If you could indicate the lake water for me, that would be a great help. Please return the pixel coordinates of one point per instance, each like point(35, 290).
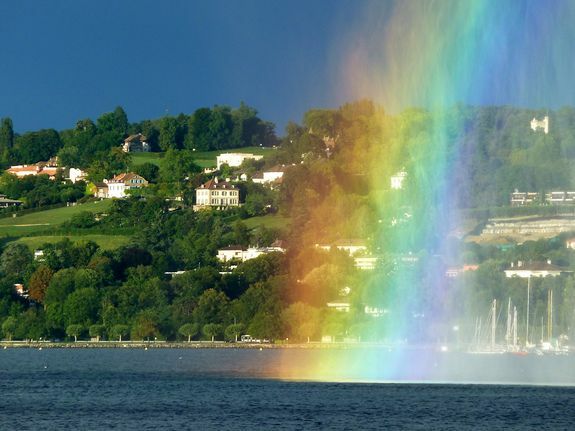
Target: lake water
point(131, 389)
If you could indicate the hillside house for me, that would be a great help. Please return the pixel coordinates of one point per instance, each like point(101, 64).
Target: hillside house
point(215, 194)
point(534, 269)
point(560, 198)
point(136, 144)
point(271, 175)
point(6, 203)
point(350, 246)
point(235, 159)
point(119, 185)
point(523, 198)
point(239, 253)
point(75, 174)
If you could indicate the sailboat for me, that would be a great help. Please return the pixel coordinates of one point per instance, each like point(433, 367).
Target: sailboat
point(489, 346)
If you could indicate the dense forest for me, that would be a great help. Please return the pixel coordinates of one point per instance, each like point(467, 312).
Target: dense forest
point(337, 187)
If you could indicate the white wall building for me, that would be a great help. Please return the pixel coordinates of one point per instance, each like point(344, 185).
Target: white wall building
point(217, 194)
point(235, 159)
point(540, 124)
point(271, 175)
point(76, 174)
point(397, 180)
point(239, 253)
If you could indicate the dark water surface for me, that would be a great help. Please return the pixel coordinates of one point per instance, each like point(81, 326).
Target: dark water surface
point(97, 389)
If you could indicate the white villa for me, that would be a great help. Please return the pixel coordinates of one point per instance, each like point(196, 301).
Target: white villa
point(235, 159)
point(76, 174)
point(217, 194)
point(117, 186)
point(136, 144)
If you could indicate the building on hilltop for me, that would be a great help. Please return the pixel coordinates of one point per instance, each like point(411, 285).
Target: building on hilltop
point(136, 144)
point(215, 194)
point(540, 124)
point(235, 159)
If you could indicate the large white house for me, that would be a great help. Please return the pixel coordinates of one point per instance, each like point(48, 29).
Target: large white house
point(235, 159)
point(119, 185)
point(217, 195)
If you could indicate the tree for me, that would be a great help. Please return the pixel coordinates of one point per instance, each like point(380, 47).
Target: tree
point(302, 320)
point(211, 330)
point(145, 325)
point(74, 330)
point(233, 331)
point(15, 259)
point(6, 138)
point(212, 307)
point(189, 330)
point(39, 282)
point(96, 331)
point(148, 170)
point(82, 305)
point(33, 147)
point(9, 327)
point(119, 331)
point(168, 132)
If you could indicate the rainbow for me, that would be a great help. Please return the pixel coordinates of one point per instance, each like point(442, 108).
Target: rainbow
point(435, 56)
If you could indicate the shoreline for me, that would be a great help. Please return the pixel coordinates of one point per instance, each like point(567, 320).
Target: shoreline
point(193, 345)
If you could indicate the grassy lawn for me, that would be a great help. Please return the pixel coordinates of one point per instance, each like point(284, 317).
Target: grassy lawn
point(106, 242)
point(41, 220)
point(205, 159)
point(271, 221)
point(141, 158)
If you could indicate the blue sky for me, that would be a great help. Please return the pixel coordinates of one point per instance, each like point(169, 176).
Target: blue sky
point(64, 60)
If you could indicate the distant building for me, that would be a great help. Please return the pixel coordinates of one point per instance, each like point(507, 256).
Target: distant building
point(339, 306)
point(49, 168)
point(366, 262)
point(534, 269)
point(271, 175)
point(560, 198)
point(119, 185)
point(570, 243)
point(543, 124)
point(5, 202)
point(241, 254)
point(235, 159)
point(76, 174)
point(136, 144)
point(217, 195)
point(398, 179)
point(523, 198)
point(350, 246)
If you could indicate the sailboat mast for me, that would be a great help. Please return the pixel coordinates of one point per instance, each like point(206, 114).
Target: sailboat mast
point(514, 326)
point(549, 315)
point(527, 322)
point(493, 323)
point(508, 329)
